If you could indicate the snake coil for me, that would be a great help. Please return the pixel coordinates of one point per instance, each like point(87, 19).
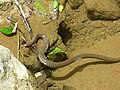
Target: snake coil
point(53, 64)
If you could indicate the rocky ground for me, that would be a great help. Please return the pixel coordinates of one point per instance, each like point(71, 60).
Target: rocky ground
point(83, 26)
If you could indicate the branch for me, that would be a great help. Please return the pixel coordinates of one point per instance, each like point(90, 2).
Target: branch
point(24, 18)
point(26, 24)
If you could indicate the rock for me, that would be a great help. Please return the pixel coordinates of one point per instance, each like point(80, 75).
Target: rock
point(6, 6)
point(118, 3)
point(61, 86)
point(67, 87)
point(74, 4)
point(13, 75)
point(102, 9)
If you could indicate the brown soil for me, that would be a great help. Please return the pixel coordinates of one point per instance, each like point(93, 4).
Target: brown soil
point(87, 74)
point(92, 74)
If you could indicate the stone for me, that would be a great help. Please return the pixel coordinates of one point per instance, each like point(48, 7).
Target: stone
point(74, 4)
point(14, 75)
point(6, 7)
point(118, 3)
point(102, 9)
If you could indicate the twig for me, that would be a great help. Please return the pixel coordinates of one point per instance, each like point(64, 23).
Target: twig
point(24, 18)
point(15, 27)
point(26, 23)
point(18, 45)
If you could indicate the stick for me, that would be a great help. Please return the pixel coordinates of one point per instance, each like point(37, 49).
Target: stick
point(24, 18)
point(18, 45)
point(26, 23)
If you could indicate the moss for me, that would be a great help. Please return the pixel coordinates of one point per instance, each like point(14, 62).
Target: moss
point(39, 6)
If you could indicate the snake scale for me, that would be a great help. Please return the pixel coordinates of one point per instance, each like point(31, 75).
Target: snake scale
point(52, 64)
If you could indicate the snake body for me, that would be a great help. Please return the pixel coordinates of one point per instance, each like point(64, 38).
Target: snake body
point(53, 64)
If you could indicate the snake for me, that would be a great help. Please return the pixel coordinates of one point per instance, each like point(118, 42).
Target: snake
point(52, 64)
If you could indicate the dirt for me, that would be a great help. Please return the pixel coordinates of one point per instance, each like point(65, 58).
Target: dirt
point(93, 74)
point(80, 35)
point(100, 37)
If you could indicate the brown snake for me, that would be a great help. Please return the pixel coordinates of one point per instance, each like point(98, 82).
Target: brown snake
point(53, 64)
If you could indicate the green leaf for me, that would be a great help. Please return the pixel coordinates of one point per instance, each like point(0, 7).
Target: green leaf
point(55, 3)
point(60, 8)
point(7, 30)
point(39, 6)
point(54, 52)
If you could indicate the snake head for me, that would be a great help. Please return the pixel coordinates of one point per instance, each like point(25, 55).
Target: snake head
point(24, 42)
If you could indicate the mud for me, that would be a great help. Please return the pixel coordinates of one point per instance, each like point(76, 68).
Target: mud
point(75, 33)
